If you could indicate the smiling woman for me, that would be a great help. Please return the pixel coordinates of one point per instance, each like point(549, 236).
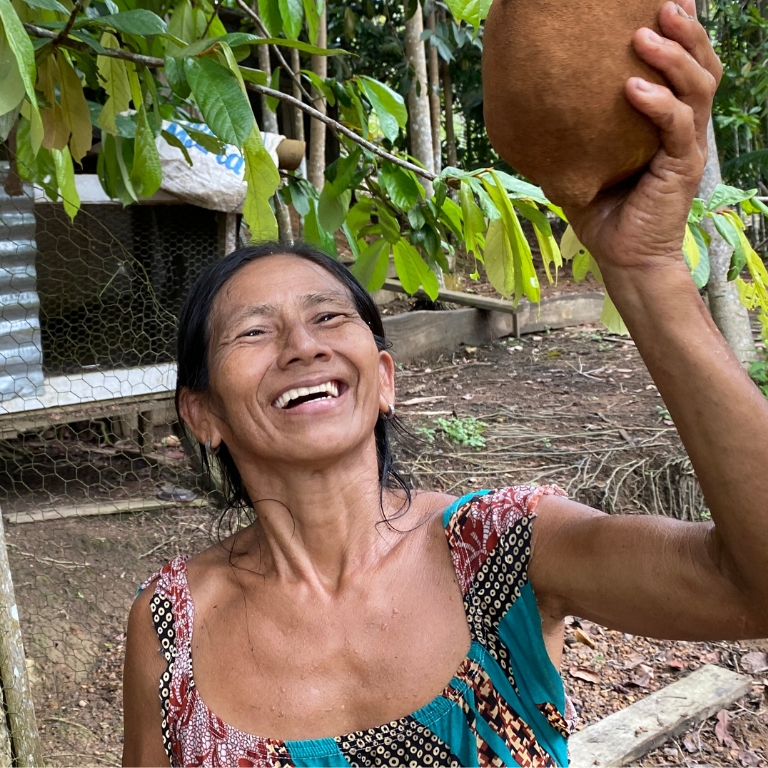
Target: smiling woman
point(318, 636)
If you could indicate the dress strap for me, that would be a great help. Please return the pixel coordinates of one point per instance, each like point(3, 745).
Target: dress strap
point(173, 616)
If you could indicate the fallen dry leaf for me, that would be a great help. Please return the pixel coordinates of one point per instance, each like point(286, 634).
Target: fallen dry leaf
point(633, 660)
point(642, 680)
point(690, 747)
point(723, 729)
point(584, 673)
point(676, 664)
point(584, 638)
point(754, 662)
point(748, 758)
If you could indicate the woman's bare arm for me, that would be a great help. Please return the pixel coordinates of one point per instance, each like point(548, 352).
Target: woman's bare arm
point(656, 576)
point(144, 664)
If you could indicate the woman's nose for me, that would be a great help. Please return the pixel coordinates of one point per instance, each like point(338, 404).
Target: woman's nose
point(301, 345)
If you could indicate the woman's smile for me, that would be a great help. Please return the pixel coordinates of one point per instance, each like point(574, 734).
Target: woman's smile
point(312, 398)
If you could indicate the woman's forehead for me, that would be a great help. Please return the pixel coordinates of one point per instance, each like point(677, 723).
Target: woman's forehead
point(275, 281)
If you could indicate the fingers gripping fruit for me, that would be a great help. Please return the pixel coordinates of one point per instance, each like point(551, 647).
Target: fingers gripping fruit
point(553, 86)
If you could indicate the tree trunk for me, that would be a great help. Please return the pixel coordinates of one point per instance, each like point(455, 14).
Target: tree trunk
point(298, 115)
point(433, 71)
point(450, 134)
point(419, 124)
point(269, 125)
point(729, 314)
point(316, 165)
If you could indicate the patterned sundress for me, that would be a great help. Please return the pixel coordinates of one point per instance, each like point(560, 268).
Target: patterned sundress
point(505, 706)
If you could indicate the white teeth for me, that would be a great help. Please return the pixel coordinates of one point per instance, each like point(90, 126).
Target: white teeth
point(330, 389)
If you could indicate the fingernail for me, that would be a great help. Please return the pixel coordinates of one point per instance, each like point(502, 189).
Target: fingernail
point(683, 12)
point(654, 37)
point(643, 85)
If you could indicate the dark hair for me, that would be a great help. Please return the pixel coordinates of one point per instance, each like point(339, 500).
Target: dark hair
point(193, 348)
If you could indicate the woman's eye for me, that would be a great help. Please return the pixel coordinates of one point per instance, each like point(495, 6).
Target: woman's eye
point(252, 333)
point(327, 316)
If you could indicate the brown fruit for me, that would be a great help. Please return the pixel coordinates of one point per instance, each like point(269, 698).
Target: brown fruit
point(554, 75)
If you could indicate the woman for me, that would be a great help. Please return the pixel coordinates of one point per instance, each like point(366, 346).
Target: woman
point(422, 628)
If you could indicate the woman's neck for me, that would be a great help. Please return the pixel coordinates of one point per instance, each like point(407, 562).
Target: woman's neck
point(320, 526)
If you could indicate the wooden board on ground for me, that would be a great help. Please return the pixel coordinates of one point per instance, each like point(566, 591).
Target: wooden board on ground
point(104, 508)
point(631, 733)
point(458, 297)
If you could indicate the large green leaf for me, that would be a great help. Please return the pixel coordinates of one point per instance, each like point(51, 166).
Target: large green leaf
point(388, 105)
point(146, 173)
point(518, 188)
point(65, 177)
point(114, 73)
point(187, 24)
point(136, 22)
point(724, 196)
point(47, 5)
point(74, 109)
point(315, 234)
point(550, 252)
point(11, 84)
point(400, 185)
point(332, 208)
point(474, 12)
point(371, 266)
point(292, 13)
point(696, 252)
point(177, 80)
point(269, 11)
point(312, 16)
point(225, 107)
point(498, 259)
point(21, 47)
point(474, 221)
point(413, 271)
point(263, 179)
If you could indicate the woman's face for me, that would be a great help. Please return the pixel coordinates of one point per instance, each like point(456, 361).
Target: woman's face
point(295, 375)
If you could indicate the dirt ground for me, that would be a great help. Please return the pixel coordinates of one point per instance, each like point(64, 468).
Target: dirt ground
point(574, 407)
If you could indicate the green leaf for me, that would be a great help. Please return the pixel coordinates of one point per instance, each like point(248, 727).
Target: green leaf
point(65, 177)
point(452, 216)
point(388, 105)
point(332, 207)
point(313, 19)
point(292, 14)
point(274, 84)
point(11, 84)
point(413, 271)
point(115, 76)
point(611, 318)
point(74, 109)
point(21, 47)
point(519, 189)
point(370, 269)
point(724, 196)
point(498, 259)
point(388, 225)
point(146, 173)
point(570, 246)
point(299, 195)
point(701, 271)
point(474, 221)
point(269, 10)
point(253, 75)
point(320, 86)
point(174, 141)
point(580, 265)
point(225, 107)
point(263, 179)
point(315, 234)
point(136, 22)
point(47, 5)
point(727, 224)
point(550, 252)
point(174, 73)
point(474, 12)
point(401, 186)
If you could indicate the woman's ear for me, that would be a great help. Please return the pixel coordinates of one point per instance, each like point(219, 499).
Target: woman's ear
point(194, 411)
point(386, 381)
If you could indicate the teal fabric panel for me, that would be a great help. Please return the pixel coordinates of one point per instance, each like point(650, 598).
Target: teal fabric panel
point(316, 753)
point(450, 726)
point(451, 510)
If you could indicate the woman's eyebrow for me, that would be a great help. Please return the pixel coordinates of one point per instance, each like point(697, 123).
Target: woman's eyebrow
point(330, 297)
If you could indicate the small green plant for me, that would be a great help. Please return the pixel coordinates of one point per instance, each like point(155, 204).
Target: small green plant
point(467, 431)
point(759, 373)
point(427, 434)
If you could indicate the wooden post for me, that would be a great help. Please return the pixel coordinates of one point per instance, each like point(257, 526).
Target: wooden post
point(146, 444)
point(25, 740)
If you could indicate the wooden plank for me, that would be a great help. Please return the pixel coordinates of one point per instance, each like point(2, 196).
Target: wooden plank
point(626, 736)
point(104, 508)
point(425, 334)
point(560, 312)
point(457, 297)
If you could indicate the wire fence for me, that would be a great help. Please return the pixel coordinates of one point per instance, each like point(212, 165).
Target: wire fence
point(87, 332)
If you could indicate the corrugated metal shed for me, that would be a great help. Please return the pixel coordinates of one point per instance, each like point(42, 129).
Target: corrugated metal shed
point(21, 350)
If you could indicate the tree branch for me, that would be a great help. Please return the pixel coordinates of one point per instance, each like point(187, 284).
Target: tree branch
point(58, 39)
point(156, 63)
point(260, 25)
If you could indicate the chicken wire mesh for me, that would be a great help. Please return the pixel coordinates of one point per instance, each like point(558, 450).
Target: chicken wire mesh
point(96, 490)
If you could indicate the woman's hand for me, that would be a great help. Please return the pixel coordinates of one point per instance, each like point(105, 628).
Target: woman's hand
point(644, 226)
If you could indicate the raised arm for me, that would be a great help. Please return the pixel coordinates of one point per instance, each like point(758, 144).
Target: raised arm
point(656, 576)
